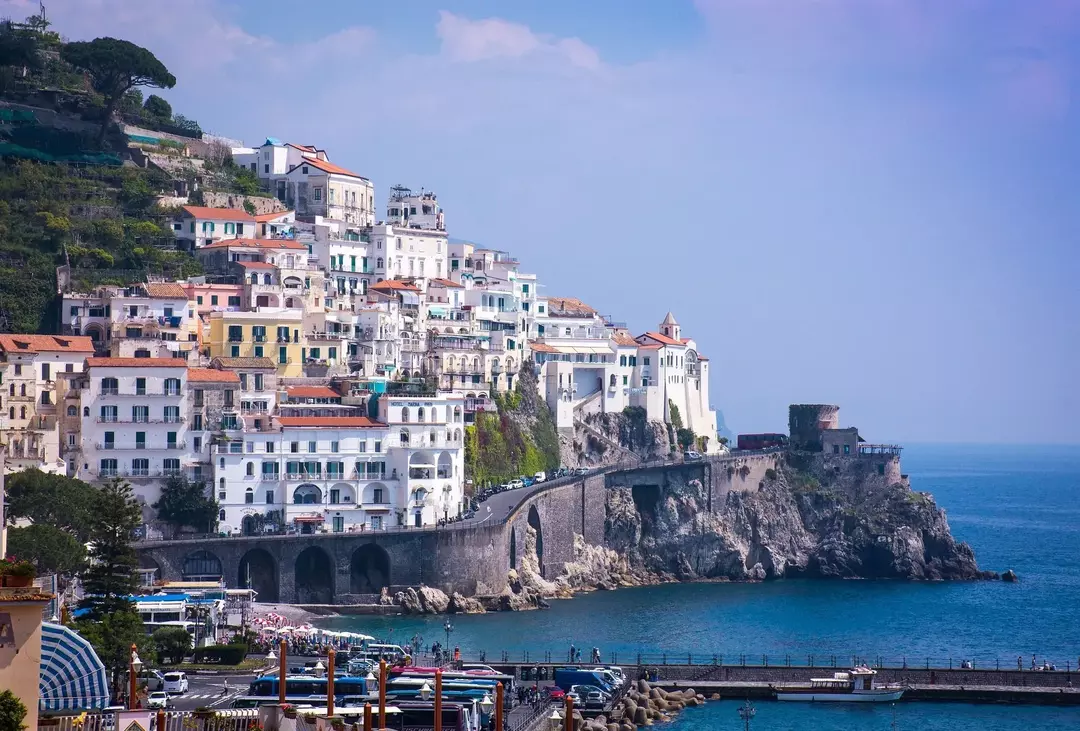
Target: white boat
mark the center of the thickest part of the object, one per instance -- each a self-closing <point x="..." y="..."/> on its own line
<point x="857" y="686"/>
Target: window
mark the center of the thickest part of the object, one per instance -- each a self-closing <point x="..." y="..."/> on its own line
<point x="172" y="414"/>
<point x="234" y="302"/>
<point x="283" y="355"/>
<point x="294" y="447"/>
<point x="172" y="386"/>
<point x="45" y="372"/>
<point x="197" y="422"/>
<point x="140" y="440"/>
<point x="72" y="411"/>
<point x="140" y="414"/>
<point x="196" y="444"/>
<point x="140" y="467"/>
<point x="645" y="360"/>
<point x="171" y="466"/>
<point x="250" y="472"/>
<point x="107" y="468"/>
<point x="378" y="445"/>
<point x="236" y="333"/>
<point x="335" y="495"/>
<point x="258" y="351"/>
<point x="269" y="447"/>
<point x="312" y="447"/>
<point x="213" y="299"/>
<point x="228" y="397"/>
<point x="170" y="440"/>
<point x="258" y="381"/>
<point x="110" y="440"/>
<point x="269" y="469"/>
<point x="109" y="386"/>
<point x="270" y="496"/>
<point x="140" y="386"/>
<point x="334" y="447"/>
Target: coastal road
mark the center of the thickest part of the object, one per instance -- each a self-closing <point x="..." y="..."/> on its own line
<point x="205" y="691"/>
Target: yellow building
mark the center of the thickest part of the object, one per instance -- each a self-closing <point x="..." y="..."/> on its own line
<point x="20" y="646"/>
<point x="273" y="333"/>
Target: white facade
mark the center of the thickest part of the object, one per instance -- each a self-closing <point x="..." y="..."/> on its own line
<point x="401" y="252"/>
<point x="199" y="226"/>
<point x="415" y="210"/>
<point x="134" y="422"/>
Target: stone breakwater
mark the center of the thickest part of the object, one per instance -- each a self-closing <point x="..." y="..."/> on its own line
<point x="643" y="705"/>
<point x="813" y="516"/>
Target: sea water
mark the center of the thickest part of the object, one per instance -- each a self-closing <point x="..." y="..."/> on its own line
<point x="1018" y="508"/>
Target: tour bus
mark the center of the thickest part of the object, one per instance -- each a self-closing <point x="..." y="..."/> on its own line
<point x="392" y="653"/>
<point x="466" y="674"/>
<point x="307" y="686"/>
<point x="408" y="715"/>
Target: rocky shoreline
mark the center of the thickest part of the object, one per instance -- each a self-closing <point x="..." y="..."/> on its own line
<point x="811" y="517"/>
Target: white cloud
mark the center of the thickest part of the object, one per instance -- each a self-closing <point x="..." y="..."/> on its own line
<point x="493" y="38"/>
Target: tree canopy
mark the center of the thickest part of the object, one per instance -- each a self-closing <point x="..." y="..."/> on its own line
<point x="111" y="578"/>
<point x="186" y="504"/>
<point x="12" y="712"/>
<point x="51" y="549"/>
<point x="155" y="106"/>
<point x="51" y="500"/>
<point x="172" y="643"/>
<point x="115" y="66"/>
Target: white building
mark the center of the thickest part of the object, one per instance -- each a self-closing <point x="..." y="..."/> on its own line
<point x="153" y="320"/>
<point x="31" y="395"/>
<point x="414" y="210"/>
<point x="198" y="226"/>
<point x="317" y="187"/>
<point x="134" y="422"/>
<point x="402" y="252"/>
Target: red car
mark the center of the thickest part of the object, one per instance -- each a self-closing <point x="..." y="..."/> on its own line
<point x="554" y="693"/>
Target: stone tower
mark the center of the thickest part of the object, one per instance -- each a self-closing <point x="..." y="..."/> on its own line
<point x="670" y="328"/>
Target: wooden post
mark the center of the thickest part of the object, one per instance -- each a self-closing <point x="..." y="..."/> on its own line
<point x="438" y="699"/>
<point x="382" y="694"/>
<point x="367" y="717"/>
<point x="132" y="690"/>
<point x="330" y="683"/>
<point x="161" y="720"/>
<point x="283" y="650"/>
<point x="499" y="706"/>
<point x="568" y="719"/>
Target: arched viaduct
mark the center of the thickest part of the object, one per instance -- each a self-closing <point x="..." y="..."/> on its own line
<point x="471" y="558"/>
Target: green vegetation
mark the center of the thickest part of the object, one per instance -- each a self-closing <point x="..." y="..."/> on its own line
<point x="12" y="712"/>
<point x="50" y="549"/>
<point x="519" y="440"/>
<point x="231" y="654"/>
<point x="172" y="644"/>
<point x="185" y="504"/>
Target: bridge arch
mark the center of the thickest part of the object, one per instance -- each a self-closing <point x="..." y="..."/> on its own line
<point x="534" y="523"/>
<point x="369" y="570"/>
<point x="201" y="565"/>
<point x="314" y="577"/>
<point x="258" y="571"/>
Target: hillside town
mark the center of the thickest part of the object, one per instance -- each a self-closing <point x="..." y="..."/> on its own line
<point x="321" y="375"/>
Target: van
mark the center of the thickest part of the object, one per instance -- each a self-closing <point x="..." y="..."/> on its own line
<point x="390" y="652"/>
<point x="540" y="477"/>
<point x="176" y="683"/>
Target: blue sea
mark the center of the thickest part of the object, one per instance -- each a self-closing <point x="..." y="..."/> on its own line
<point x="1018" y="507"/>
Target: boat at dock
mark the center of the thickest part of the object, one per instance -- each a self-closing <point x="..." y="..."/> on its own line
<point x="859" y="685"/>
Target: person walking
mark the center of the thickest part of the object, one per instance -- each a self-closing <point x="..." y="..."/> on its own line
<point x="1019" y="662"/>
<point x="571" y="652"/>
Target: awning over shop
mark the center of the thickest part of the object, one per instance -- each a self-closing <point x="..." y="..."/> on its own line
<point x="309" y="519"/>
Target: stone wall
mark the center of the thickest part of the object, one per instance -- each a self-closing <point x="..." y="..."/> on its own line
<point x="263" y="204"/>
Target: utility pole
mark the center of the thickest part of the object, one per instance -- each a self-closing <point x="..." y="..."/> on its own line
<point x="746" y="713"/>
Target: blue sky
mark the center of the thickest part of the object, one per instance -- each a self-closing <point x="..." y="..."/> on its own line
<point x="864" y="202"/>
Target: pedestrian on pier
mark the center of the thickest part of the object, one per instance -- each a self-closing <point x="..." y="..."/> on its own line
<point x="1019" y="662"/>
<point x="1033" y="664"/>
<point x="571" y="652"/>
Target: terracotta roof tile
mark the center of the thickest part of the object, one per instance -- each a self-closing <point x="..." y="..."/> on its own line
<point x="46" y="344"/>
<point x="219" y="214"/>
<point x="653" y="346"/>
<point x="568" y="306"/>
<point x="446" y="283"/>
<point x="170" y="290"/>
<point x="245" y="363"/>
<point x="327" y="167"/>
<point x="542" y="348"/>
<point x="394" y="285"/>
<point x="136" y="363"/>
<point x="361" y="422"/>
<point x="255" y="244"/>
<point x="622" y="338"/>
<point x="256" y="265"/>
<point x="664" y="339"/>
<point x="211" y="375"/>
<point x="311" y="392"/>
<point x="264" y="217"/>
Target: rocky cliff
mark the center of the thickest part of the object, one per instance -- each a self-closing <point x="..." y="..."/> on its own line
<point x="606" y="438"/>
<point x="812" y="516"/>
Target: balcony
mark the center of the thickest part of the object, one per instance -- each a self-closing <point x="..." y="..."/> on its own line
<point x="110" y="392"/>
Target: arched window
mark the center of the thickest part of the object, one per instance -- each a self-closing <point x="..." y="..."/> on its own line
<point x="509" y="365"/>
<point x="449" y="415"/>
<point x="404" y="437"/>
<point x="11" y="412"/>
<point x="267" y="279"/>
<point x="86" y="411"/>
<point x="221" y="482"/>
<point x="476" y="365"/>
<point x="450" y="364"/>
<point x="457" y="413"/>
<point x="22" y="389"/>
<point x="22" y="412"/>
<point x="457" y="435"/>
<point x="432" y="437"/>
<point x="72" y="411"/>
<point x="612" y="381"/>
<point x="221" y="515"/>
<point x="249" y="496"/>
<point x="379" y="264"/>
<point x="420" y="415"/>
<point x="11" y="389"/>
<point x="405" y="414"/>
<point x="254" y="277"/>
<point x="250" y="470"/>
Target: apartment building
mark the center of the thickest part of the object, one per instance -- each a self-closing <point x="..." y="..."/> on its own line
<point x="198" y="226"/>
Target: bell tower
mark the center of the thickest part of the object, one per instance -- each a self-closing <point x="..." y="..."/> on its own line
<point x="670" y="328"/>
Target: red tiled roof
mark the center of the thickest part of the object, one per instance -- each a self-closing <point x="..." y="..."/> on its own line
<point x="622" y="338"/>
<point x="311" y="392"/>
<point x="256" y="265"/>
<point x="211" y="375"/>
<point x="219" y="214"/>
<point x="256" y="244"/>
<point x="664" y="339"/>
<point x="167" y="290"/>
<point x="136" y="363"/>
<point x="702" y="357"/>
<point x="327" y="167"/>
<point x="392" y="285"/>
<point x="542" y="348"/>
<point x="361" y="422"/>
<point x="446" y="283"/>
<point x="568" y="306"/>
<point x="302" y="148"/>
<point x="46" y="344"/>
<point x="653" y="346"/>
<point x="264" y="217"/>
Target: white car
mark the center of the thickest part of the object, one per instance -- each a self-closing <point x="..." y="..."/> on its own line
<point x="176" y="683"/>
<point x="540" y="477"/>
<point x="158" y="699"/>
<point x="515" y="484"/>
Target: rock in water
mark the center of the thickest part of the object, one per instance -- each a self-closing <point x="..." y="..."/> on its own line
<point x="422" y="600"/>
<point x="1010" y="576"/>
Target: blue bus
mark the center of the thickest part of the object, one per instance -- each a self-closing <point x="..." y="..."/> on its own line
<point x="306" y="686"/>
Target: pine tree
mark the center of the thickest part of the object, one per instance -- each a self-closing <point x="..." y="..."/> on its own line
<point x="111" y="578"/>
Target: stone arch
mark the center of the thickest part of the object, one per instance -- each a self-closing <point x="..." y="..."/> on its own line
<point x="201" y="565"/>
<point x="258" y="571"/>
<point x="534" y="523"/>
<point x="314" y="577"/>
<point x="369" y="569"/>
<point x="248" y="525"/>
<point x="149" y="562"/>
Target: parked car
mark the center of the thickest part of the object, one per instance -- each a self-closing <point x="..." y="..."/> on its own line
<point x="158" y="699"/>
<point x="581" y="471"/>
<point x="554" y="693"/>
<point x="527" y="481"/>
<point x="692" y="456"/>
<point x="515" y="484"/>
<point x="540" y="477"/>
<point x="176" y="683"/>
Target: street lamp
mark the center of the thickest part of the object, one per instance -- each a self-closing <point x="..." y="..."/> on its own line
<point x="271" y="657"/>
<point x="487" y="705"/>
<point x="746" y="713"/>
<point x="319" y="669"/>
<point x="133" y="672"/>
<point x="448" y="628"/>
<point x="555" y="720"/>
<point x="425" y="691"/>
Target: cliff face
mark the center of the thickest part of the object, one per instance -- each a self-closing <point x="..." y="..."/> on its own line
<point x="828" y="518"/>
<point x="608" y="438"/>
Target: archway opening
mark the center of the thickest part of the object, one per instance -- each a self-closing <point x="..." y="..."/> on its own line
<point x="201" y="566"/>
<point x="146" y="563"/>
<point x="314" y="577"/>
<point x="534" y="523"/>
<point x="370" y="569"/>
<point x="513" y="548"/>
<point x="249" y="526"/>
<point x="258" y="571"/>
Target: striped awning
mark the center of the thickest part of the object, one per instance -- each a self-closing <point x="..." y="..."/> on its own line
<point x="72" y="677"/>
